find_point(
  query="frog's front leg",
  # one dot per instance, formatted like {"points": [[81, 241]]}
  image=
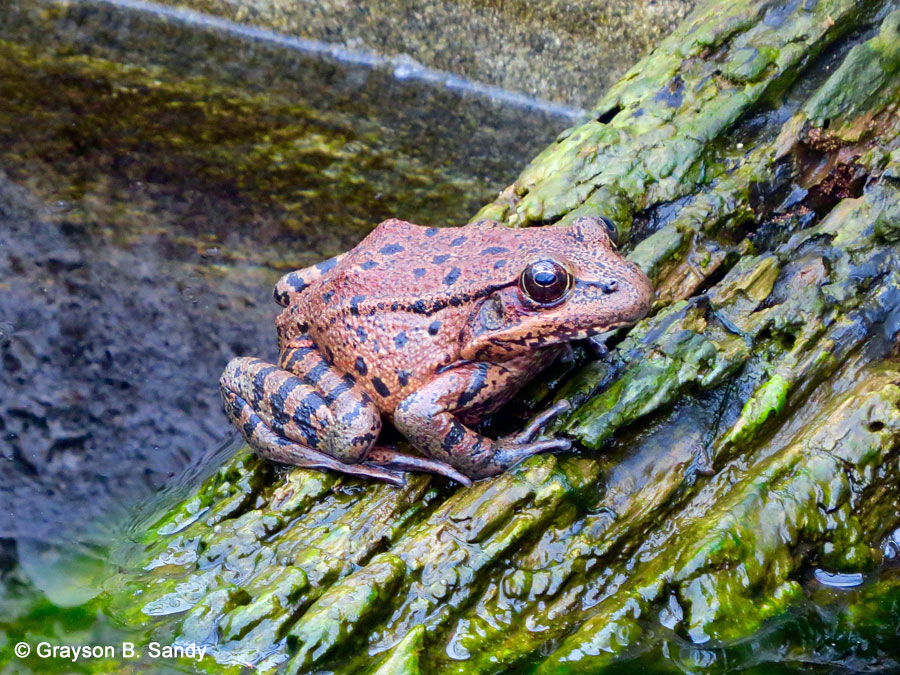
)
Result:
{"points": [[428, 418]]}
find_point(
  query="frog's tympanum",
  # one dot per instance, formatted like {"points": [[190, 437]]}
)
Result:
{"points": [[434, 328]]}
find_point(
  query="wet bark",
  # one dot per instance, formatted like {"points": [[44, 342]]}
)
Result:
{"points": [[752, 162]]}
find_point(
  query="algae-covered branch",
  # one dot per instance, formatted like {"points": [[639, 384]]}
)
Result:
{"points": [[738, 453]]}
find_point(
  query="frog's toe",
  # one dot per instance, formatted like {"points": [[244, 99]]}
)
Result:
{"points": [[391, 459], [538, 423], [507, 455], [366, 470]]}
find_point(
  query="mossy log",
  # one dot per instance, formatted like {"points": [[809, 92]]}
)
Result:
{"points": [[752, 162]]}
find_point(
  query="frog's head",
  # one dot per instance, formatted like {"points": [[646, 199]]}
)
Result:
{"points": [[566, 283]]}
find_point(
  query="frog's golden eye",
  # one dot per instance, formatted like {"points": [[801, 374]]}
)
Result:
{"points": [[545, 282]]}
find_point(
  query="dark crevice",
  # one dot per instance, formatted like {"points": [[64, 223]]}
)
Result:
{"points": [[655, 217], [608, 116], [718, 274]]}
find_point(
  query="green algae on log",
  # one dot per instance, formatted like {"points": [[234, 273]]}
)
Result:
{"points": [[754, 161]]}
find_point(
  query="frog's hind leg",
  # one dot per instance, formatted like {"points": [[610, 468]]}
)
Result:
{"points": [[294, 283], [351, 406], [280, 449], [294, 419]]}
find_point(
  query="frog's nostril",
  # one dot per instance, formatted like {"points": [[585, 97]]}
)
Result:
{"points": [[609, 285]]}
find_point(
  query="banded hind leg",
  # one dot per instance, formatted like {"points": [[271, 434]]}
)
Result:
{"points": [[306, 413], [350, 403]]}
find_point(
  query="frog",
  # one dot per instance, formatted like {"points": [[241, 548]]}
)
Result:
{"points": [[431, 329]]}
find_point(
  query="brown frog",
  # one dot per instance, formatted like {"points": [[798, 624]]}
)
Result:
{"points": [[433, 328]]}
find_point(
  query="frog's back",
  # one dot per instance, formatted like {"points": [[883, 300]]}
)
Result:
{"points": [[392, 309], [402, 260]]}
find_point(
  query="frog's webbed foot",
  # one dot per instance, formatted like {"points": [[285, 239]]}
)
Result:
{"points": [[512, 449], [397, 461]]}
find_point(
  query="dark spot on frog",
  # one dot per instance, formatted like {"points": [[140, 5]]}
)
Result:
{"points": [[297, 355], [455, 301], [279, 397], [361, 334], [403, 377], [475, 385], [365, 439], [302, 414], [354, 413], [314, 374], [400, 339], [454, 436], [329, 354], [431, 231], [452, 276], [419, 307], [360, 366], [440, 259], [672, 94], [419, 272], [577, 235], [434, 327], [326, 265], [499, 264], [390, 249], [346, 383], [297, 282], [369, 264], [354, 304], [380, 387], [494, 250], [250, 427], [459, 241], [327, 295]]}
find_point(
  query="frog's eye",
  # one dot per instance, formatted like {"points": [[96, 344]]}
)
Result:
{"points": [[545, 282], [610, 230]]}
